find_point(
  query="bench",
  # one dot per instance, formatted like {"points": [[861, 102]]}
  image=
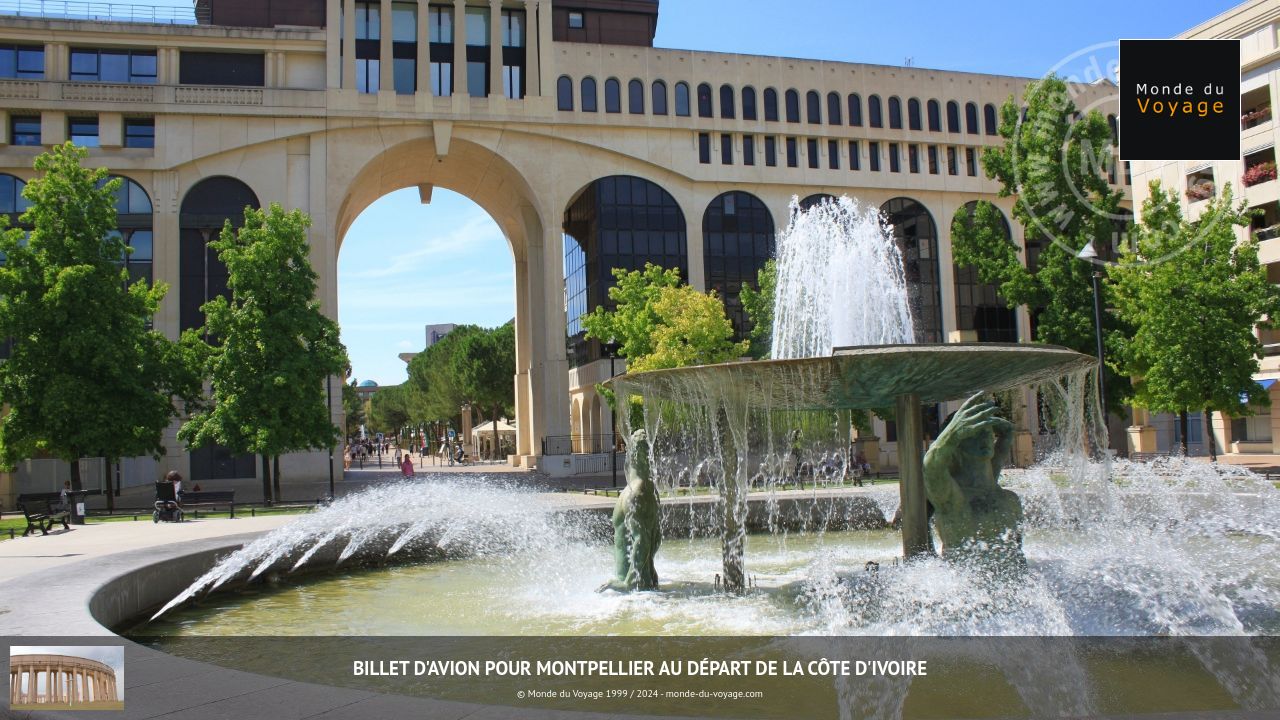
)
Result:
{"points": [[42, 513], [1143, 457], [210, 498]]}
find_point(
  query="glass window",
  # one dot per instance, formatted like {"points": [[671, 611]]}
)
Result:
{"points": [[441, 79], [131, 199], [704, 101], [971, 161], [748, 150], [771, 151], [726, 102], [659, 97], [913, 158], [895, 163], [933, 159], [440, 25], [855, 110], [635, 97], [118, 66], [793, 153], [588, 94], [477, 78], [895, 113], [834, 116], [24, 130], [366, 75], [404, 22], [953, 116], [793, 106], [612, 96], [749, 103], [813, 107], [873, 111], [953, 167], [971, 118], [704, 148], [913, 114], [140, 132], [564, 93], [682, 99], [738, 239], [811, 149], [576, 21], [83, 131], [833, 154], [855, 162], [993, 126], [979, 306], [726, 149], [917, 240], [935, 116], [873, 156], [11, 200], [113, 67], [404, 72], [513, 28], [478, 27], [368, 21], [24, 62], [770, 105]]}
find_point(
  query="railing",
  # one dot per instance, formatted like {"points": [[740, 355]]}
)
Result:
{"points": [[1255, 118], [106, 11], [219, 95], [571, 444], [1267, 233], [19, 89], [108, 92]]}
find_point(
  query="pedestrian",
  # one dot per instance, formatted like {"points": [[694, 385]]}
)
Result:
{"points": [[406, 467], [346, 458], [397, 455]]}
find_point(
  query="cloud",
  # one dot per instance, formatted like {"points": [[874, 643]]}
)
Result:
{"points": [[476, 230]]}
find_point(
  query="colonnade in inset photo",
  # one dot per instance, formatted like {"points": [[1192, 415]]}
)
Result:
{"points": [[60, 680]]}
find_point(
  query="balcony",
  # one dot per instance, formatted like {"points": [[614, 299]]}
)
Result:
{"points": [[49, 94], [1254, 118], [105, 12]]}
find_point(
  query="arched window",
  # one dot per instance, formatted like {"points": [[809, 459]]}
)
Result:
{"points": [[793, 106], [133, 222], [971, 118], [953, 116], [834, 116], [935, 116], [992, 124], [659, 92], [913, 115], [737, 237], [917, 238], [749, 103], [682, 99], [813, 107], [564, 93], [770, 105], [612, 96], [12, 204], [1115, 129], [726, 102], [875, 117], [855, 110], [979, 306], [635, 97], [618, 221], [588, 94], [816, 199], [895, 113], [202, 277], [704, 101]]}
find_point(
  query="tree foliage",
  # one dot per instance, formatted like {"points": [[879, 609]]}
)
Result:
{"points": [[758, 305], [269, 346], [352, 408], [87, 374], [1055, 164], [1194, 295], [389, 410], [469, 365]]}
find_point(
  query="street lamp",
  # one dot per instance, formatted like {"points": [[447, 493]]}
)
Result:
{"points": [[1088, 254], [611, 348]]}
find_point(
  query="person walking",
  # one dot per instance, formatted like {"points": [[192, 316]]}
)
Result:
{"points": [[346, 458], [406, 466]]}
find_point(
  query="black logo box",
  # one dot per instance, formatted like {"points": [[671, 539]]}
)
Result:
{"points": [[1187, 68]]}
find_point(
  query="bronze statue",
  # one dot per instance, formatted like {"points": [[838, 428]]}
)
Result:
{"points": [[974, 516], [636, 531]]}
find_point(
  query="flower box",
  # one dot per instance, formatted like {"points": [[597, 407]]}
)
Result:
{"points": [[1260, 173]]}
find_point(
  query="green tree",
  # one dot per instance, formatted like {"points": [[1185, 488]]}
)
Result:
{"points": [[1056, 166], [758, 305], [389, 409], [432, 374], [87, 374], [352, 408], [483, 368], [271, 347], [1194, 295]]}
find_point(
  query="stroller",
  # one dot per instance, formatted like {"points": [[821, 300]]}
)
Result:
{"points": [[166, 505]]}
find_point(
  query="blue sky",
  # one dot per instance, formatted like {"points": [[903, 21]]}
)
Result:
{"points": [[404, 265]]}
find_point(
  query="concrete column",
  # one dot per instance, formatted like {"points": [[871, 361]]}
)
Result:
{"points": [[545, 65], [915, 520], [695, 257], [524, 349], [386, 62], [460, 48], [349, 44], [48, 683], [946, 273], [333, 43], [532, 73], [495, 48], [423, 70]]}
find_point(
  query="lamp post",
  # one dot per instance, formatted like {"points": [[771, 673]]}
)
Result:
{"points": [[611, 348], [1088, 254]]}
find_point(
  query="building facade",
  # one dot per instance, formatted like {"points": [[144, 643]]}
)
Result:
{"points": [[1253, 179], [589, 147]]}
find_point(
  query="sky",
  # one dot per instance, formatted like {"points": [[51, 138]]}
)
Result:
{"points": [[404, 265]]}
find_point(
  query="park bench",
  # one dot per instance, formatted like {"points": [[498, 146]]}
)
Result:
{"points": [[1144, 457], [42, 511], [210, 498]]}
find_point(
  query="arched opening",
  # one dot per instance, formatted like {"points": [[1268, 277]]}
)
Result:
{"points": [[979, 306], [990, 120], [855, 110], [971, 118], [749, 103], [737, 237], [917, 238], [815, 199], [813, 107], [612, 96], [770, 105], [564, 93], [834, 116], [953, 116], [588, 94], [635, 97], [793, 106], [682, 99], [726, 102], [620, 221], [874, 116], [201, 277], [659, 92], [895, 113], [913, 114], [704, 101], [935, 116]]}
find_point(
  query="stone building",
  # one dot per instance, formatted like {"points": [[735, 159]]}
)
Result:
{"points": [[589, 147]]}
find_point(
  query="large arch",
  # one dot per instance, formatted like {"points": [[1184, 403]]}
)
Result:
{"points": [[917, 238], [738, 239], [979, 307], [475, 168]]}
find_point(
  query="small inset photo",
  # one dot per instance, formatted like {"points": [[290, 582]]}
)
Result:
{"points": [[58, 677]]}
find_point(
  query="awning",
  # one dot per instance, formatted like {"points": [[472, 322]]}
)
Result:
{"points": [[1266, 384]]}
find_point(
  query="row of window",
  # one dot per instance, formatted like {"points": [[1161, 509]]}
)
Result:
{"points": [[835, 106], [139, 132], [878, 154]]}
